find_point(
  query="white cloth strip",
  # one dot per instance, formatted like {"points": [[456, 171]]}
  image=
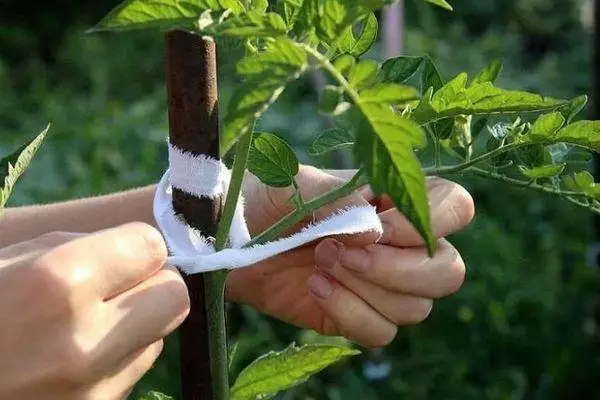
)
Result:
{"points": [[194, 253], [197, 175]]}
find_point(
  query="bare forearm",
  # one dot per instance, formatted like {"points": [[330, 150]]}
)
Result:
{"points": [[83, 215]]}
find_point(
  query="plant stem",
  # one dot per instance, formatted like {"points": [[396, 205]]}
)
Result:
{"points": [[308, 207], [215, 281], [470, 163]]}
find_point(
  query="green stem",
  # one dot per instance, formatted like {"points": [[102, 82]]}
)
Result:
{"points": [[308, 208], [214, 282], [471, 163]]}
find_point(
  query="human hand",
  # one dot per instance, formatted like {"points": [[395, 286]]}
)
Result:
{"points": [[350, 285], [83, 316]]}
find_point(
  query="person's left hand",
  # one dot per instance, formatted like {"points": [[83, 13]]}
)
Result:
{"points": [[350, 285]]}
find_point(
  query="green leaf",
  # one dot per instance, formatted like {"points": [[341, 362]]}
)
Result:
{"points": [[430, 76], [15, 164], [358, 46], [545, 127], [272, 160], [163, 14], [152, 395], [480, 99], [363, 74], [259, 5], [488, 74], [400, 69], [277, 371], [581, 133], [583, 182], [573, 107], [330, 140], [289, 10], [441, 3], [266, 76], [389, 93], [330, 98], [545, 171], [345, 64], [249, 25], [384, 146]]}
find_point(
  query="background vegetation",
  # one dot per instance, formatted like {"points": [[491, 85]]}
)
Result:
{"points": [[525, 324]]}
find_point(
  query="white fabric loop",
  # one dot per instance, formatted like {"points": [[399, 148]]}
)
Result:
{"points": [[203, 176]]}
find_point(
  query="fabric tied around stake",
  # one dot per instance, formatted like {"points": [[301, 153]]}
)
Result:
{"points": [[203, 176]]}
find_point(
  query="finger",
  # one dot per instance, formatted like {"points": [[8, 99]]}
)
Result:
{"points": [[38, 245], [118, 384], [398, 308], [403, 270], [117, 258], [145, 314], [349, 315], [451, 209]]}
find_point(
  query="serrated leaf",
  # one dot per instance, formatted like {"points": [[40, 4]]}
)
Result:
{"points": [[272, 160], [400, 69], [163, 14], [430, 76], [389, 93], [545, 171], [441, 3], [330, 140], [385, 146], [259, 5], [289, 10], [266, 76], [363, 73], [545, 127], [358, 46], [330, 98], [276, 371], [155, 396], [480, 99], [581, 133], [488, 74], [15, 164], [252, 24]]}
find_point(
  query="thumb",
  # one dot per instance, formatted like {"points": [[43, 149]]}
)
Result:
{"points": [[313, 182]]}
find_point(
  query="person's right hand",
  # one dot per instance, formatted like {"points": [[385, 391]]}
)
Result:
{"points": [[83, 316]]}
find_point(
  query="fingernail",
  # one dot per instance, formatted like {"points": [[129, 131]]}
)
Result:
{"points": [[327, 253], [355, 259], [386, 236], [320, 286]]}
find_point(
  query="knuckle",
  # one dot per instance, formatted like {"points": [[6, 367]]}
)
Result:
{"points": [[151, 239]]}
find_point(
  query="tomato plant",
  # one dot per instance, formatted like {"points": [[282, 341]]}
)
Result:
{"points": [[388, 114]]}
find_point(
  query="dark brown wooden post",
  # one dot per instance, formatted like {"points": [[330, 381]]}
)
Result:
{"points": [[193, 126]]}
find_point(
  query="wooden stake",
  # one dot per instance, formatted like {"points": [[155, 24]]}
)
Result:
{"points": [[194, 127]]}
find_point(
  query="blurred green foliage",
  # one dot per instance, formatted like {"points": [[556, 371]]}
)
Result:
{"points": [[524, 326]]}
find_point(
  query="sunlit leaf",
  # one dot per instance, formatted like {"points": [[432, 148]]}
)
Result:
{"points": [[545, 171], [363, 73], [358, 46], [545, 126], [276, 371], [330, 140], [155, 396], [272, 160], [266, 76], [580, 133], [389, 93], [488, 74], [573, 107], [164, 14], [583, 182], [15, 164], [251, 24]]}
